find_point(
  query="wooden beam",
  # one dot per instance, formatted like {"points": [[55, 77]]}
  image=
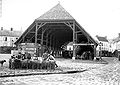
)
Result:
{"points": [[76, 36], [36, 33], [56, 25], [23, 39], [84, 32], [82, 44], [78, 32], [28, 30], [74, 54], [36, 38], [39, 34], [94, 50], [68, 24], [41, 24], [55, 21], [32, 32], [42, 42], [41, 39], [32, 37], [47, 36]]}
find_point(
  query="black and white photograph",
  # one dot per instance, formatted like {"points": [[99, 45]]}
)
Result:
{"points": [[59, 42]]}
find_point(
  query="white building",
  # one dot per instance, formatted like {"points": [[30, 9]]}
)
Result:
{"points": [[8, 37], [116, 42], [103, 43], [70, 46]]}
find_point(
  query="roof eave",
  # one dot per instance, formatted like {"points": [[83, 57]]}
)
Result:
{"points": [[18, 41], [53, 20], [88, 34]]}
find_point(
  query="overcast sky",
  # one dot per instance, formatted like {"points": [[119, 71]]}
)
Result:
{"points": [[97, 17]]}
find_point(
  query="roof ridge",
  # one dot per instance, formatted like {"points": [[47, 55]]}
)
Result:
{"points": [[56, 12]]}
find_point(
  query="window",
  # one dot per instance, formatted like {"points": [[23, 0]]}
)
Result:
{"points": [[69, 48], [12, 42], [5, 38]]}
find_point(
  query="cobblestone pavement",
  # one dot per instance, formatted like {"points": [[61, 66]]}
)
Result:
{"points": [[98, 74]]}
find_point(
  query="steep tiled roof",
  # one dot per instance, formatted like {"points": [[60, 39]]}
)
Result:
{"points": [[116, 39], [102, 39], [57, 12], [10, 33]]}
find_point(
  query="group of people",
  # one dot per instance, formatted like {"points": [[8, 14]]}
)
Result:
{"points": [[16, 60], [48, 58], [27, 61]]}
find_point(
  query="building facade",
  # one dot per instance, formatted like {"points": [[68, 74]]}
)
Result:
{"points": [[103, 43], [104, 46], [8, 37], [116, 42]]}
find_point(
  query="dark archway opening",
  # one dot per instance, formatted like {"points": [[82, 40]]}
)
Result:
{"points": [[55, 35]]}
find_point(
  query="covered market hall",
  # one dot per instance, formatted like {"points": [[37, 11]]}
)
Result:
{"points": [[55, 28]]}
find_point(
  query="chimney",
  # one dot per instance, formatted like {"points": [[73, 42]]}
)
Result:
{"points": [[11, 29], [1, 28], [119, 35]]}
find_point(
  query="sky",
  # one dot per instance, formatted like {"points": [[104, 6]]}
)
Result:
{"points": [[97, 17], [0, 8]]}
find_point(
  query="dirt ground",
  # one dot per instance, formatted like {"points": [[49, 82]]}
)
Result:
{"points": [[97, 73]]}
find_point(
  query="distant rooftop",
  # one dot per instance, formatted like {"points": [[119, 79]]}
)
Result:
{"points": [[117, 39], [103, 39], [10, 33]]}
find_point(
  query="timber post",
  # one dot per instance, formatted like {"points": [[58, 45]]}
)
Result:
{"points": [[36, 39], [42, 43], [95, 51], [74, 53]]}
